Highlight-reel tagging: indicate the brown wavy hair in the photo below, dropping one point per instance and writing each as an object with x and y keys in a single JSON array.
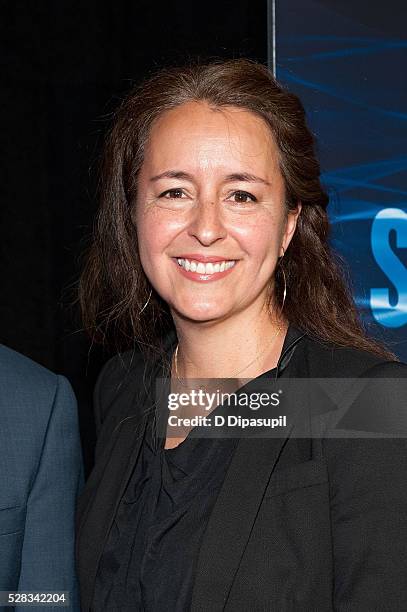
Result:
[{"x": 113, "y": 287}]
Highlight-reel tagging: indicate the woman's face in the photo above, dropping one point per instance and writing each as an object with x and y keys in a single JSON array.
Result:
[{"x": 210, "y": 214}]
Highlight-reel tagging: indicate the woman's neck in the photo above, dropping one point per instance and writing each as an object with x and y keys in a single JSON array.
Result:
[{"x": 246, "y": 344}]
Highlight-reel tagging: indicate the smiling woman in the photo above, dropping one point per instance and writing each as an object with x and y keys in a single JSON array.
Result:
[
  {"x": 211, "y": 255},
  {"x": 210, "y": 190},
  {"x": 231, "y": 123}
]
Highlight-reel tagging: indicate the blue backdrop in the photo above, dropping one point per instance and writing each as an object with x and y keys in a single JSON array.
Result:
[{"x": 351, "y": 76}]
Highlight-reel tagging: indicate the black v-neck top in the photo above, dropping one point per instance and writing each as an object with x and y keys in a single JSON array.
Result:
[{"x": 149, "y": 561}]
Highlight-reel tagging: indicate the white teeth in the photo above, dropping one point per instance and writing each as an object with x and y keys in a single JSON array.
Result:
[{"x": 201, "y": 268}]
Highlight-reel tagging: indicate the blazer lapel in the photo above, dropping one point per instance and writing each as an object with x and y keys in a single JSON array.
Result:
[
  {"x": 111, "y": 476},
  {"x": 237, "y": 505},
  {"x": 103, "y": 507}
]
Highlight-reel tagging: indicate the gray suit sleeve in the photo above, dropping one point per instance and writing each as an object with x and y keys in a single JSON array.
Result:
[{"x": 48, "y": 548}]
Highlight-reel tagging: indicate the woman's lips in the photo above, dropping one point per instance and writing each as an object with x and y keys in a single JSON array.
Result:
[{"x": 202, "y": 276}]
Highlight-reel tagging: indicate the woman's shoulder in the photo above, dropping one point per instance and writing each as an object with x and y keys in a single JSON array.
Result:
[
  {"x": 116, "y": 385},
  {"x": 333, "y": 360},
  {"x": 119, "y": 369},
  {"x": 126, "y": 379},
  {"x": 372, "y": 391}
]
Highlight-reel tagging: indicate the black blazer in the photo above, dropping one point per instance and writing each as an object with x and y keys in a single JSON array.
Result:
[{"x": 300, "y": 524}]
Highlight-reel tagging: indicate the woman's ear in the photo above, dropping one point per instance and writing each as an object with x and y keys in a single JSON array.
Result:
[{"x": 291, "y": 224}]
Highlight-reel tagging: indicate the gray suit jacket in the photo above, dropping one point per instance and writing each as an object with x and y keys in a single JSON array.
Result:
[{"x": 41, "y": 474}]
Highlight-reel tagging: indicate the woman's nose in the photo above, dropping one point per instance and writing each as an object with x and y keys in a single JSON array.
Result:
[{"x": 207, "y": 225}]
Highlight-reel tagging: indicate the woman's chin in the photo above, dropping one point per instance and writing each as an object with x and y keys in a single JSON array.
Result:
[{"x": 200, "y": 313}]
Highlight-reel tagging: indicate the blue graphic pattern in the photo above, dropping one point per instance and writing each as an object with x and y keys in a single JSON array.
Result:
[{"x": 354, "y": 90}]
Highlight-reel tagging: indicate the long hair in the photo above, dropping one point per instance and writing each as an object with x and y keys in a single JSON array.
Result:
[{"x": 113, "y": 287}]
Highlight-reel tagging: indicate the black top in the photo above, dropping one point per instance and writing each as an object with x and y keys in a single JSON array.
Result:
[
  {"x": 300, "y": 523},
  {"x": 150, "y": 557}
]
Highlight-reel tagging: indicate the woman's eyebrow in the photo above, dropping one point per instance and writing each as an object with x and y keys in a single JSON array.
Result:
[
  {"x": 245, "y": 177},
  {"x": 236, "y": 176},
  {"x": 178, "y": 174}
]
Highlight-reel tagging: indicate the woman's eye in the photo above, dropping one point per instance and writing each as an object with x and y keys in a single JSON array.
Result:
[
  {"x": 172, "y": 194},
  {"x": 242, "y": 197}
]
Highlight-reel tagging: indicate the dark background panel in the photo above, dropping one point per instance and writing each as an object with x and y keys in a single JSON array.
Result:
[{"x": 65, "y": 66}]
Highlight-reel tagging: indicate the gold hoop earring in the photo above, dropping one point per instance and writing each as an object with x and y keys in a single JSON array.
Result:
[
  {"x": 146, "y": 302},
  {"x": 285, "y": 281},
  {"x": 284, "y": 292}
]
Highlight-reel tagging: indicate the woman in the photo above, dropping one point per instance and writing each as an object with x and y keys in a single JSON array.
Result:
[{"x": 210, "y": 252}]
